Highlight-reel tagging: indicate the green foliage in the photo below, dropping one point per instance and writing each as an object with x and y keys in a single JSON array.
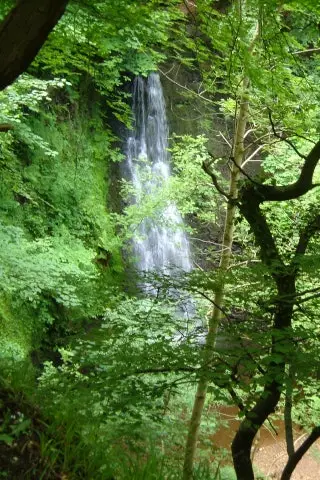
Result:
[
  {"x": 31, "y": 269},
  {"x": 126, "y": 405},
  {"x": 116, "y": 395},
  {"x": 263, "y": 41},
  {"x": 190, "y": 187},
  {"x": 11, "y": 431},
  {"x": 32, "y": 272},
  {"x": 282, "y": 167},
  {"x": 59, "y": 248},
  {"x": 118, "y": 390},
  {"x": 114, "y": 365},
  {"x": 5, "y": 7},
  {"x": 106, "y": 41},
  {"x": 25, "y": 96}
]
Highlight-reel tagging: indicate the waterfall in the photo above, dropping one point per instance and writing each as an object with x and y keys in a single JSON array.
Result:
[{"x": 158, "y": 245}]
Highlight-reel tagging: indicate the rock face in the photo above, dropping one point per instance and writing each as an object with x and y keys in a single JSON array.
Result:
[{"x": 188, "y": 113}]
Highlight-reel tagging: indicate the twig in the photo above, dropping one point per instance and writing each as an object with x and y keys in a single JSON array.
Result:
[
  {"x": 306, "y": 51},
  {"x": 184, "y": 87},
  {"x": 206, "y": 241},
  {"x": 253, "y": 154},
  {"x": 281, "y": 137},
  {"x": 214, "y": 179},
  {"x": 225, "y": 139}
]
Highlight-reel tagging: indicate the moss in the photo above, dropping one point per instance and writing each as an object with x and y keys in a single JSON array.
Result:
[
  {"x": 63, "y": 197},
  {"x": 15, "y": 339}
]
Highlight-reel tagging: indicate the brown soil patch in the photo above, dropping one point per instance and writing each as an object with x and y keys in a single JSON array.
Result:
[
  {"x": 270, "y": 453},
  {"x": 271, "y": 456}
]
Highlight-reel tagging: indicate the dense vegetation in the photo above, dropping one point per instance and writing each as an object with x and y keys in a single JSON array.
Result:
[{"x": 95, "y": 382}]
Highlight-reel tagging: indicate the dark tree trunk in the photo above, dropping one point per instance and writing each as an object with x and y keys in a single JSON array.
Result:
[
  {"x": 288, "y": 413},
  {"x": 242, "y": 442},
  {"x": 266, "y": 404},
  {"x": 22, "y": 34},
  {"x": 251, "y": 196},
  {"x": 296, "y": 457},
  {"x": 284, "y": 277},
  {"x": 5, "y": 127}
]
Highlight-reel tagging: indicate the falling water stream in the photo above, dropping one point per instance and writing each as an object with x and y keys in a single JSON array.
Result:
[{"x": 159, "y": 245}]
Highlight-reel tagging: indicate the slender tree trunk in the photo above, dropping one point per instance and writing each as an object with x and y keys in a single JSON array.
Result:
[
  {"x": 215, "y": 315},
  {"x": 288, "y": 413},
  {"x": 296, "y": 457},
  {"x": 5, "y": 127},
  {"x": 22, "y": 34}
]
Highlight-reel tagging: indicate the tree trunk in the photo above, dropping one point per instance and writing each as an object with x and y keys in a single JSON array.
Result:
[
  {"x": 296, "y": 457},
  {"x": 288, "y": 413},
  {"x": 215, "y": 314},
  {"x": 242, "y": 442},
  {"x": 22, "y": 34},
  {"x": 285, "y": 278},
  {"x": 5, "y": 127}
]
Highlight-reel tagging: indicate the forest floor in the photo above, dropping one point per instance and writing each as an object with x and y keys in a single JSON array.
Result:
[
  {"x": 270, "y": 460},
  {"x": 270, "y": 453},
  {"x": 27, "y": 450},
  {"x": 271, "y": 457}
]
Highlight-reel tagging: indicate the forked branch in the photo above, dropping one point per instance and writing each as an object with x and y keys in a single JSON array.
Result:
[
  {"x": 207, "y": 169},
  {"x": 299, "y": 453},
  {"x": 270, "y": 193},
  {"x": 312, "y": 227}
]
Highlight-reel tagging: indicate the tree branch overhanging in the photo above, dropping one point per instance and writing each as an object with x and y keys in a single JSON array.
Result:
[
  {"x": 260, "y": 193},
  {"x": 282, "y": 137},
  {"x": 22, "y": 34}
]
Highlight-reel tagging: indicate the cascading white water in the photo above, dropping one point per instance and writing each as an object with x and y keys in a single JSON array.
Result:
[{"x": 158, "y": 245}]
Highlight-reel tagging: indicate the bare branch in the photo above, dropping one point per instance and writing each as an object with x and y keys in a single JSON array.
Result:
[
  {"x": 206, "y": 241},
  {"x": 250, "y": 130},
  {"x": 306, "y": 299},
  {"x": 257, "y": 140},
  {"x": 299, "y": 52},
  {"x": 206, "y": 168},
  {"x": 184, "y": 87},
  {"x": 282, "y": 137},
  {"x": 253, "y": 154},
  {"x": 244, "y": 172},
  {"x": 159, "y": 370},
  {"x": 268, "y": 193},
  {"x": 5, "y": 127},
  {"x": 225, "y": 139},
  {"x": 236, "y": 399}
]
